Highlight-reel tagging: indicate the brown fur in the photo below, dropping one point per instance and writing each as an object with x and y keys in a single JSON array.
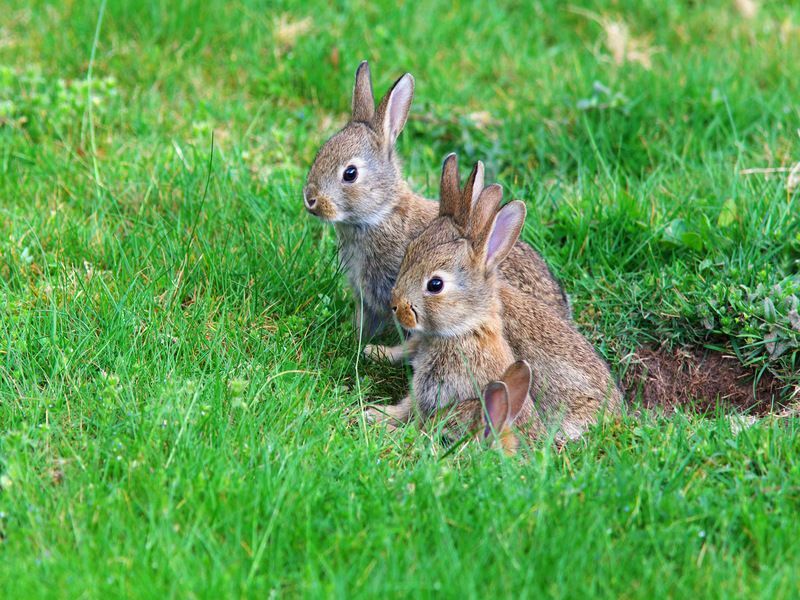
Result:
[
  {"x": 458, "y": 332},
  {"x": 449, "y": 370},
  {"x": 571, "y": 383},
  {"x": 376, "y": 216},
  {"x": 470, "y": 419},
  {"x": 369, "y": 258},
  {"x": 479, "y": 322}
]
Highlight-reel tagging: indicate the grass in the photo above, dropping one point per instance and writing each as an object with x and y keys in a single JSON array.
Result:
[{"x": 179, "y": 388}]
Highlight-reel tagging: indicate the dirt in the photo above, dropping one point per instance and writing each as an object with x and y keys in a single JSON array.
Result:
[{"x": 698, "y": 380}]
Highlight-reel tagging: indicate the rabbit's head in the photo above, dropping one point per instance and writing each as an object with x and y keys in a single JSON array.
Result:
[
  {"x": 356, "y": 175},
  {"x": 492, "y": 417},
  {"x": 447, "y": 281}
]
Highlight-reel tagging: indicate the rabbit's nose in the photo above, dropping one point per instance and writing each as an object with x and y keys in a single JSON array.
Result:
[
  {"x": 406, "y": 315},
  {"x": 310, "y": 193}
]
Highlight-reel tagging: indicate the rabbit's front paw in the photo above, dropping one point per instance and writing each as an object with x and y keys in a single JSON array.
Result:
[
  {"x": 391, "y": 354},
  {"x": 379, "y": 415},
  {"x": 375, "y": 352}
]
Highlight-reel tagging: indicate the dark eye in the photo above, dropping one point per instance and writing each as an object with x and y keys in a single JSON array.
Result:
[
  {"x": 435, "y": 285},
  {"x": 350, "y": 174}
]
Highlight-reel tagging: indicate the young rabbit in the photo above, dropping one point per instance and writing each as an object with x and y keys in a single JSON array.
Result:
[
  {"x": 465, "y": 319},
  {"x": 504, "y": 413},
  {"x": 356, "y": 184},
  {"x": 447, "y": 297}
]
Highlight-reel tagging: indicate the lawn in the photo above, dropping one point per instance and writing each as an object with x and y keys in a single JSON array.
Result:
[{"x": 180, "y": 386}]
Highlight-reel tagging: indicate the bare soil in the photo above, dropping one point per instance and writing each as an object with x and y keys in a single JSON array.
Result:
[{"x": 700, "y": 380}]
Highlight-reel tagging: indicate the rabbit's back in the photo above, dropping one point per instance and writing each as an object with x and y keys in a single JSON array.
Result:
[
  {"x": 571, "y": 382},
  {"x": 527, "y": 271}
]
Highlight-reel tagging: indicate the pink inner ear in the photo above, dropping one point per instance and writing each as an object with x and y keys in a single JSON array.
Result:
[
  {"x": 398, "y": 106},
  {"x": 496, "y": 399},
  {"x": 504, "y": 226},
  {"x": 477, "y": 187}
]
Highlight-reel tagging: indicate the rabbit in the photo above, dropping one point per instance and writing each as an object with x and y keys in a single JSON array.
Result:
[
  {"x": 356, "y": 184},
  {"x": 504, "y": 413},
  {"x": 448, "y": 295}
]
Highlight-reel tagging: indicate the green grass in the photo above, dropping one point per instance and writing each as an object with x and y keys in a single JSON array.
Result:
[{"x": 179, "y": 384}]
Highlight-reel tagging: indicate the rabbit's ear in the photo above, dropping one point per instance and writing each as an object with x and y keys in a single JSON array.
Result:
[
  {"x": 474, "y": 185},
  {"x": 466, "y": 198},
  {"x": 518, "y": 381},
  {"x": 393, "y": 110},
  {"x": 495, "y": 398},
  {"x": 507, "y": 226},
  {"x": 363, "y": 100},
  {"x": 449, "y": 188},
  {"x": 482, "y": 215}
]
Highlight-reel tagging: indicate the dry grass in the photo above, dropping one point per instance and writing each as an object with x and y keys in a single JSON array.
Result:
[
  {"x": 287, "y": 31},
  {"x": 747, "y": 8},
  {"x": 620, "y": 43}
]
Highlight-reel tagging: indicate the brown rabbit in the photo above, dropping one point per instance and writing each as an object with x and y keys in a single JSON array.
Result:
[
  {"x": 356, "y": 184},
  {"x": 499, "y": 416},
  {"x": 447, "y": 297},
  {"x": 465, "y": 319}
]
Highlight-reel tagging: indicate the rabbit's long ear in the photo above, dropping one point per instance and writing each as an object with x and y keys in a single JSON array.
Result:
[
  {"x": 503, "y": 233},
  {"x": 495, "y": 415},
  {"x": 449, "y": 187},
  {"x": 393, "y": 110},
  {"x": 474, "y": 185},
  {"x": 469, "y": 195},
  {"x": 482, "y": 215},
  {"x": 453, "y": 201},
  {"x": 518, "y": 381},
  {"x": 363, "y": 100}
]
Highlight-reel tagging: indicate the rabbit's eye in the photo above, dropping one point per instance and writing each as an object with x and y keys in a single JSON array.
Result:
[
  {"x": 435, "y": 285},
  {"x": 350, "y": 174}
]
